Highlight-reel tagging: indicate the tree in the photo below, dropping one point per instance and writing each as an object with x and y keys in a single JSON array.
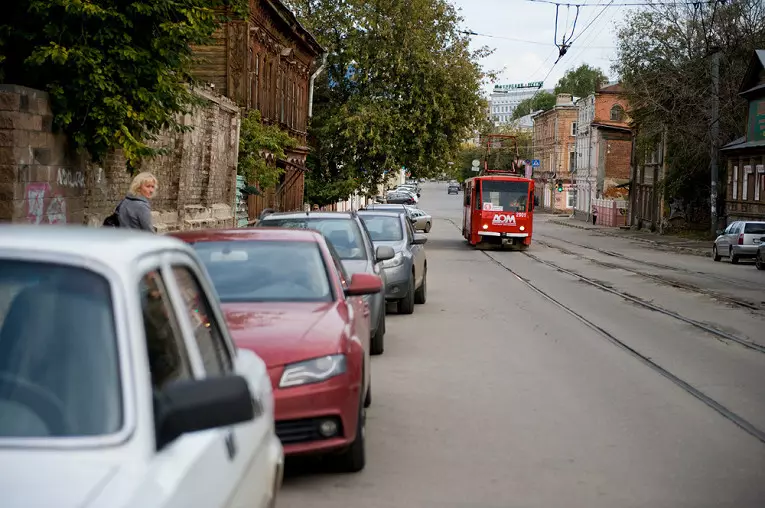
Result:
[
  {"x": 255, "y": 140},
  {"x": 581, "y": 82},
  {"x": 402, "y": 88},
  {"x": 117, "y": 72},
  {"x": 663, "y": 59},
  {"x": 542, "y": 101}
]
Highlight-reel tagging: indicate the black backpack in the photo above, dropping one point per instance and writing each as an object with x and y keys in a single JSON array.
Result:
[{"x": 113, "y": 221}]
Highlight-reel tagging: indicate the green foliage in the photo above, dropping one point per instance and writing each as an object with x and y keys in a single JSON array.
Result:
[
  {"x": 117, "y": 72},
  {"x": 581, "y": 82},
  {"x": 256, "y": 139},
  {"x": 401, "y": 88},
  {"x": 542, "y": 101}
]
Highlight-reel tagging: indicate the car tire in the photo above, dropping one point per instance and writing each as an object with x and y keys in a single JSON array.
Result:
[
  {"x": 715, "y": 255},
  {"x": 733, "y": 257},
  {"x": 759, "y": 262},
  {"x": 377, "y": 344},
  {"x": 421, "y": 295},
  {"x": 406, "y": 304},
  {"x": 353, "y": 459},
  {"x": 427, "y": 227}
]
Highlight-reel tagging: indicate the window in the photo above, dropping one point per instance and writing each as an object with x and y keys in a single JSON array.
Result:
[
  {"x": 754, "y": 228},
  {"x": 345, "y": 279},
  {"x": 617, "y": 113},
  {"x": 572, "y": 161},
  {"x": 573, "y": 128},
  {"x": 212, "y": 345},
  {"x": 570, "y": 198},
  {"x": 266, "y": 271},
  {"x": 58, "y": 338},
  {"x": 382, "y": 228},
  {"x": 409, "y": 232},
  {"x": 504, "y": 196},
  {"x": 344, "y": 234}
]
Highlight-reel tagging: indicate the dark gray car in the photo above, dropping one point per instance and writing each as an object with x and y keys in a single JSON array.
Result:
[
  {"x": 406, "y": 274},
  {"x": 350, "y": 239}
]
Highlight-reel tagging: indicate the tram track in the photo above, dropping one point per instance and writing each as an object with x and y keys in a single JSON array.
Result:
[
  {"x": 656, "y": 278},
  {"x": 710, "y": 402}
]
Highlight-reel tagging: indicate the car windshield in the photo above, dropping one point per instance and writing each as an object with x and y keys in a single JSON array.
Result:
[
  {"x": 266, "y": 271},
  {"x": 59, "y": 368},
  {"x": 504, "y": 195},
  {"x": 754, "y": 228},
  {"x": 383, "y": 229},
  {"x": 344, "y": 234}
]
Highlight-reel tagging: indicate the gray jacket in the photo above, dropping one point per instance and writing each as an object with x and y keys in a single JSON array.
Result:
[{"x": 135, "y": 213}]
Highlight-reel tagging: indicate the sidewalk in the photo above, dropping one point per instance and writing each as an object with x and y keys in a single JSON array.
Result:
[{"x": 661, "y": 242}]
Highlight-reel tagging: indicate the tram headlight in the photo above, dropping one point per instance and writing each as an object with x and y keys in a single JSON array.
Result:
[
  {"x": 522, "y": 228},
  {"x": 485, "y": 226}
]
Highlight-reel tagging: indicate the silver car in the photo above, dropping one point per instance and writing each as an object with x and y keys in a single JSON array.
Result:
[
  {"x": 422, "y": 221},
  {"x": 739, "y": 240},
  {"x": 407, "y": 273},
  {"x": 348, "y": 235}
]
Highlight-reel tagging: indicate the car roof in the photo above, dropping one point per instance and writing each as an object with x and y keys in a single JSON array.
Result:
[
  {"x": 381, "y": 213},
  {"x": 108, "y": 246},
  {"x": 242, "y": 234},
  {"x": 309, "y": 215}
]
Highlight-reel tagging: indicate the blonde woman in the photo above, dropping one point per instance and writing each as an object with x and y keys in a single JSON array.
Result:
[{"x": 134, "y": 211}]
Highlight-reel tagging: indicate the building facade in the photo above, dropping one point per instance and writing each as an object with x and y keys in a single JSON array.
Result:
[
  {"x": 603, "y": 149},
  {"x": 745, "y": 157},
  {"x": 265, "y": 63},
  {"x": 505, "y": 98},
  {"x": 554, "y": 142}
]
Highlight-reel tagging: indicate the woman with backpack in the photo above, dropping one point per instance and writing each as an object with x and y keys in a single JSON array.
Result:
[{"x": 134, "y": 211}]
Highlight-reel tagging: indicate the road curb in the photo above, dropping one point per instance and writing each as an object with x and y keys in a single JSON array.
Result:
[{"x": 662, "y": 246}]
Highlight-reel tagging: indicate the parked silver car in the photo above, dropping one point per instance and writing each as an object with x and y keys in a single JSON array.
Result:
[
  {"x": 348, "y": 235},
  {"x": 421, "y": 220},
  {"x": 740, "y": 239},
  {"x": 407, "y": 273}
]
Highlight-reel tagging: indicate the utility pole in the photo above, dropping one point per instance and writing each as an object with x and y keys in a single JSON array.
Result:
[
  {"x": 663, "y": 179},
  {"x": 714, "y": 130}
]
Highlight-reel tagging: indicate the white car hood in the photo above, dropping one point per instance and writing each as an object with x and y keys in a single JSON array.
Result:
[{"x": 40, "y": 480}]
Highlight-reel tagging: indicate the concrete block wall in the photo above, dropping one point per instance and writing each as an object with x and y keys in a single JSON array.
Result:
[{"x": 41, "y": 181}]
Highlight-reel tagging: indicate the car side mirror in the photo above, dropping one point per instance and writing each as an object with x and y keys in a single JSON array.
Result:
[
  {"x": 762, "y": 239},
  {"x": 419, "y": 239},
  {"x": 189, "y": 406},
  {"x": 384, "y": 253},
  {"x": 364, "y": 284}
]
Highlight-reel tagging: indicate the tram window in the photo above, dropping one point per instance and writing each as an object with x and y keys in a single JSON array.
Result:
[{"x": 466, "y": 198}]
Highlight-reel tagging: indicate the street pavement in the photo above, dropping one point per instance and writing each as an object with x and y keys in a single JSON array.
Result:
[{"x": 591, "y": 371}]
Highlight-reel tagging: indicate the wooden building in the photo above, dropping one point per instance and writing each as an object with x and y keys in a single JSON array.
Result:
[
  {"x": 265, "y": 63},
  {"x": 745, "y": 157}
]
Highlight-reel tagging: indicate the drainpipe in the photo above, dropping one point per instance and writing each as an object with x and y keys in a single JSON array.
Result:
[{"x": 313, "y": 79}]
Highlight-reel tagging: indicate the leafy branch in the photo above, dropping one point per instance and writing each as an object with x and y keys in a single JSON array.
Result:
[{"x": 257, "y": 139}]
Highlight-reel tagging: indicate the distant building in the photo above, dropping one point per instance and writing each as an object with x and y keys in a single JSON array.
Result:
[
  {"x": 554, "y": 141},
  {"x": 505, "y": 98},
  {"x": 603, "y": 148}
]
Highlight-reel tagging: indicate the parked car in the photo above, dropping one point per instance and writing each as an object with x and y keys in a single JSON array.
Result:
[
  {"x": 422, "y": 221},
  {"x": 406, "y": 191},
  {"x": 741, "y": 239},
  {"x": 287, "y": 297},
  {"x": 400, "y": 198},
  {"x": 348, "y": 235},
  {"x": 407, "y": 272},
  {"x": 120, "y": 385},
  {"x": 759, "y": 258}
]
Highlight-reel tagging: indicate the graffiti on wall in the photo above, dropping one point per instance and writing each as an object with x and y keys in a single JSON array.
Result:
[{"x": 44, "y": 205}]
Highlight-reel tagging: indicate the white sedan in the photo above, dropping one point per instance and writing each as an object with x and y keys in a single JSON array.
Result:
[
  {"x": 421, "y": 220},
  {"x": 119, "y": 384}
]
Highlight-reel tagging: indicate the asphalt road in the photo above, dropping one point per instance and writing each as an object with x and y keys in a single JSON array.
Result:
[{"x": 568, "y": 377}]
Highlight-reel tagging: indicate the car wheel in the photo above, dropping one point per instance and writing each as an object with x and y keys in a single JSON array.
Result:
[
  {"x": 406, "y": 304},
  {"x": 427, "y": 227},
  {"x": 354, "y": 458},
  {"x": 421, "y": 295},
  {"x": 378, "y": 340},
  {"x": 733, "y": 257},
  {"x": 759, "y": 262},
  {"x": 715, "y": 255}
]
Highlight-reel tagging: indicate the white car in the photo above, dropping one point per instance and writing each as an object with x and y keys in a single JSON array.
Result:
[
  {"x": 421, "y": 220},
  {"x": 119, "y": 384}
]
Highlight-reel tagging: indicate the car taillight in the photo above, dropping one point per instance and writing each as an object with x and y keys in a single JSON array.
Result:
[{"x": 741, "y": 239}]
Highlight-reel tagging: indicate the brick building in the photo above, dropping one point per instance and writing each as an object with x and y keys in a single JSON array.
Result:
[
  {"x": 745, "y": 157},
  {"x": 603, "y": 148},
  {"x": 554, "y": 142},
  {"x": 265, "y": 63}
]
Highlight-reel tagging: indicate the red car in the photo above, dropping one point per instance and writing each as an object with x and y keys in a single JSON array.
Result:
[{"x": 287, "y": 297}]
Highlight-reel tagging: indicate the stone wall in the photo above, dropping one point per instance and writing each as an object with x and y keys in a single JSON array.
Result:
[{"x": 43, "y": 182}]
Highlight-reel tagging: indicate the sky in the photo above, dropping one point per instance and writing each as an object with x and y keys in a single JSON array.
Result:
[{"x": 531, "y": 58}]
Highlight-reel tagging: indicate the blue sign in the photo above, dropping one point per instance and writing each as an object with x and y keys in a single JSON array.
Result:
[{"x": 535, "y": 163}]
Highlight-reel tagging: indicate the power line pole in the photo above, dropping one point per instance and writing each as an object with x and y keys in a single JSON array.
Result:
[{"x": 714, "y": 129}]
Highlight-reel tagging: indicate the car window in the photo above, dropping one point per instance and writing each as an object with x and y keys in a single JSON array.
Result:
[
  {"x": 338, "y": 266},
  {"x": 168, "y": 356},
  {"x": 754, "y": 228},
  {"x": 383, "y": 229},
  {"x": 59, "y": 358},
  {"x": 212, "y": 346},
  {"x": 343, "y": 233},
  {"x": 409, "y": 232},
  {"x": 266, "y": 271}
]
